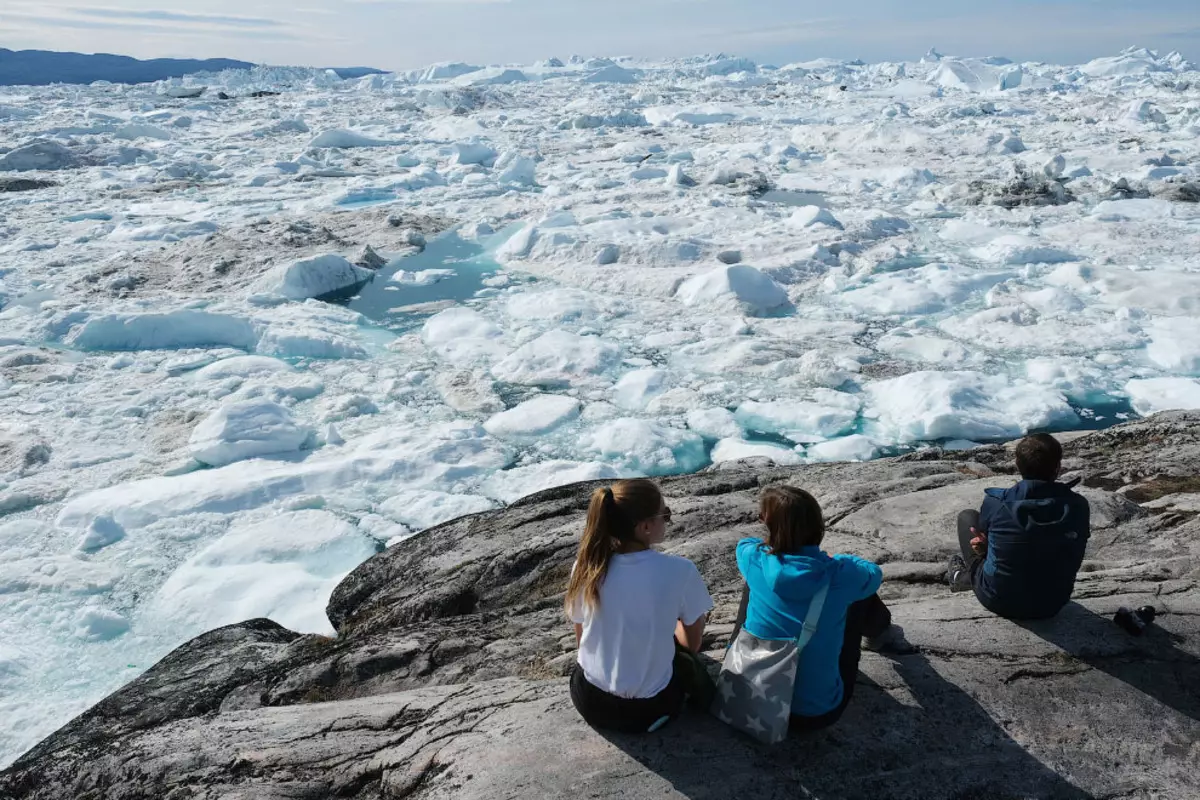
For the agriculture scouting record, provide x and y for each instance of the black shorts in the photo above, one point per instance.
(623, 714)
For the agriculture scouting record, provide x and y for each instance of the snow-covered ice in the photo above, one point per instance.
(577, 271)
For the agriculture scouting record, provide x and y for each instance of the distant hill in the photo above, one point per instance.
(41, 67)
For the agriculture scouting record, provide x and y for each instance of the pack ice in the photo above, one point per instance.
(245, 343)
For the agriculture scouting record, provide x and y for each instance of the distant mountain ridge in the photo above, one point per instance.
(42, 67)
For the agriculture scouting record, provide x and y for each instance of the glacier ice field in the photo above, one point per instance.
(249, 339)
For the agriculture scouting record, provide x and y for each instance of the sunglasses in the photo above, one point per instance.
(666, 515)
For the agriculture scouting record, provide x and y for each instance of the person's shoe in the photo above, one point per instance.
(890, 641)
(958, 575)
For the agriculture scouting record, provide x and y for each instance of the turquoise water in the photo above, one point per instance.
(401, 307)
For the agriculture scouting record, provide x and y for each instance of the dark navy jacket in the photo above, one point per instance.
(1037, 532)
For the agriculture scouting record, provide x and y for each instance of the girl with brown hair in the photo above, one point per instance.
(783, 574)
(635, 609)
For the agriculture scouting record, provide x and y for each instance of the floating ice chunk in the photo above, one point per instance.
(554, 305)
(1017, 250)
(340, 137)
(424, 277)
(728, 66)
(241, 367)
(648, 174)
(809, 216)
(645, 446)
(292, 340)
(714, 423)
(468, 392)
(738, 449)
(141, 130)
(1134, 62)
(283, 568)
(169, 330)
(312, 277)
(637, 388)
(855, 447)
(463, 336)
(1055, 167)
(1151, 395)
(413, 456)
(738, 286)
(513, 484)
(419, 509)
(1145, 111)
(557, 357)
(99, 624)
(244, 430)
(612, 74)
(534, 417)
(677, 177)
(829, 413)
(920, 291)
(38, 154)
(491, 76)
(924, 406)
(474, 153)
(169, 232)
(515, 168)
(917, 346)
(976, 75)
(1175, 344)
(445, 71)
(103, 531)
(519, 245)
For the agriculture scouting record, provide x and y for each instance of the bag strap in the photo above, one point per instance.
(814, 614)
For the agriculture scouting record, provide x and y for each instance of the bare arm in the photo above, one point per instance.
(578, 635)
(690, 635)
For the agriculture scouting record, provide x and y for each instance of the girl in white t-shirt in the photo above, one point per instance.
(638, 613)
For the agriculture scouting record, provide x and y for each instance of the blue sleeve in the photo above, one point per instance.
(746, 550)
(1084, 512)
(987, 512)
(858, 577)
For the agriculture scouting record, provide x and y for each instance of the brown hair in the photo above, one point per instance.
(613, 516)
(1039, 457)
(793, 519)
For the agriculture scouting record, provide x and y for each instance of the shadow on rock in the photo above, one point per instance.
(1151, 663)
(913, 735)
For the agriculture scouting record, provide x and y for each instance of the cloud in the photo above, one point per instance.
(157, 15)
(171, 30)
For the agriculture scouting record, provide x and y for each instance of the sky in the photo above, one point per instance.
(406, 34)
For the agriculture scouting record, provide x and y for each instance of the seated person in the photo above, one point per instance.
(639, 615)
(1022, 549)
(782, 575)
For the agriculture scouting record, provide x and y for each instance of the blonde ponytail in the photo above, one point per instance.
(613, 515)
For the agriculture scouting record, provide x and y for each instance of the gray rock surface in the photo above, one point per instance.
(445, 679)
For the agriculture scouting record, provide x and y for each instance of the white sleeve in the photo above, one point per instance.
(694, 601)
(576, 611)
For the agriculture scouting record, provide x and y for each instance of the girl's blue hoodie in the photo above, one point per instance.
(781, 589)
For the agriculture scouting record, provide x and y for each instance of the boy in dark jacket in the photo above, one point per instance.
(1022, 549)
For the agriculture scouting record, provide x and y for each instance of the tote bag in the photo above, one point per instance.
(754, 689)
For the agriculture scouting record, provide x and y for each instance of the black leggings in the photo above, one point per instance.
(966, 520)
(869, 617)
(636, 715)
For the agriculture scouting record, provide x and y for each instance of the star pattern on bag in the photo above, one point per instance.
(754, 689)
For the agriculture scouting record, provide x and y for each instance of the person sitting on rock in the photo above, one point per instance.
(1022, 549)
(639, 615)
(783, 574)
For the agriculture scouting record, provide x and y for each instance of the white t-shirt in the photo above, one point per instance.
(628, 647)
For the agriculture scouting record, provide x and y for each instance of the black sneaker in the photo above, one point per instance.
(958, 575)
(890, 641)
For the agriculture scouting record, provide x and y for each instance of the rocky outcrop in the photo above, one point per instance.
(445, 678)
